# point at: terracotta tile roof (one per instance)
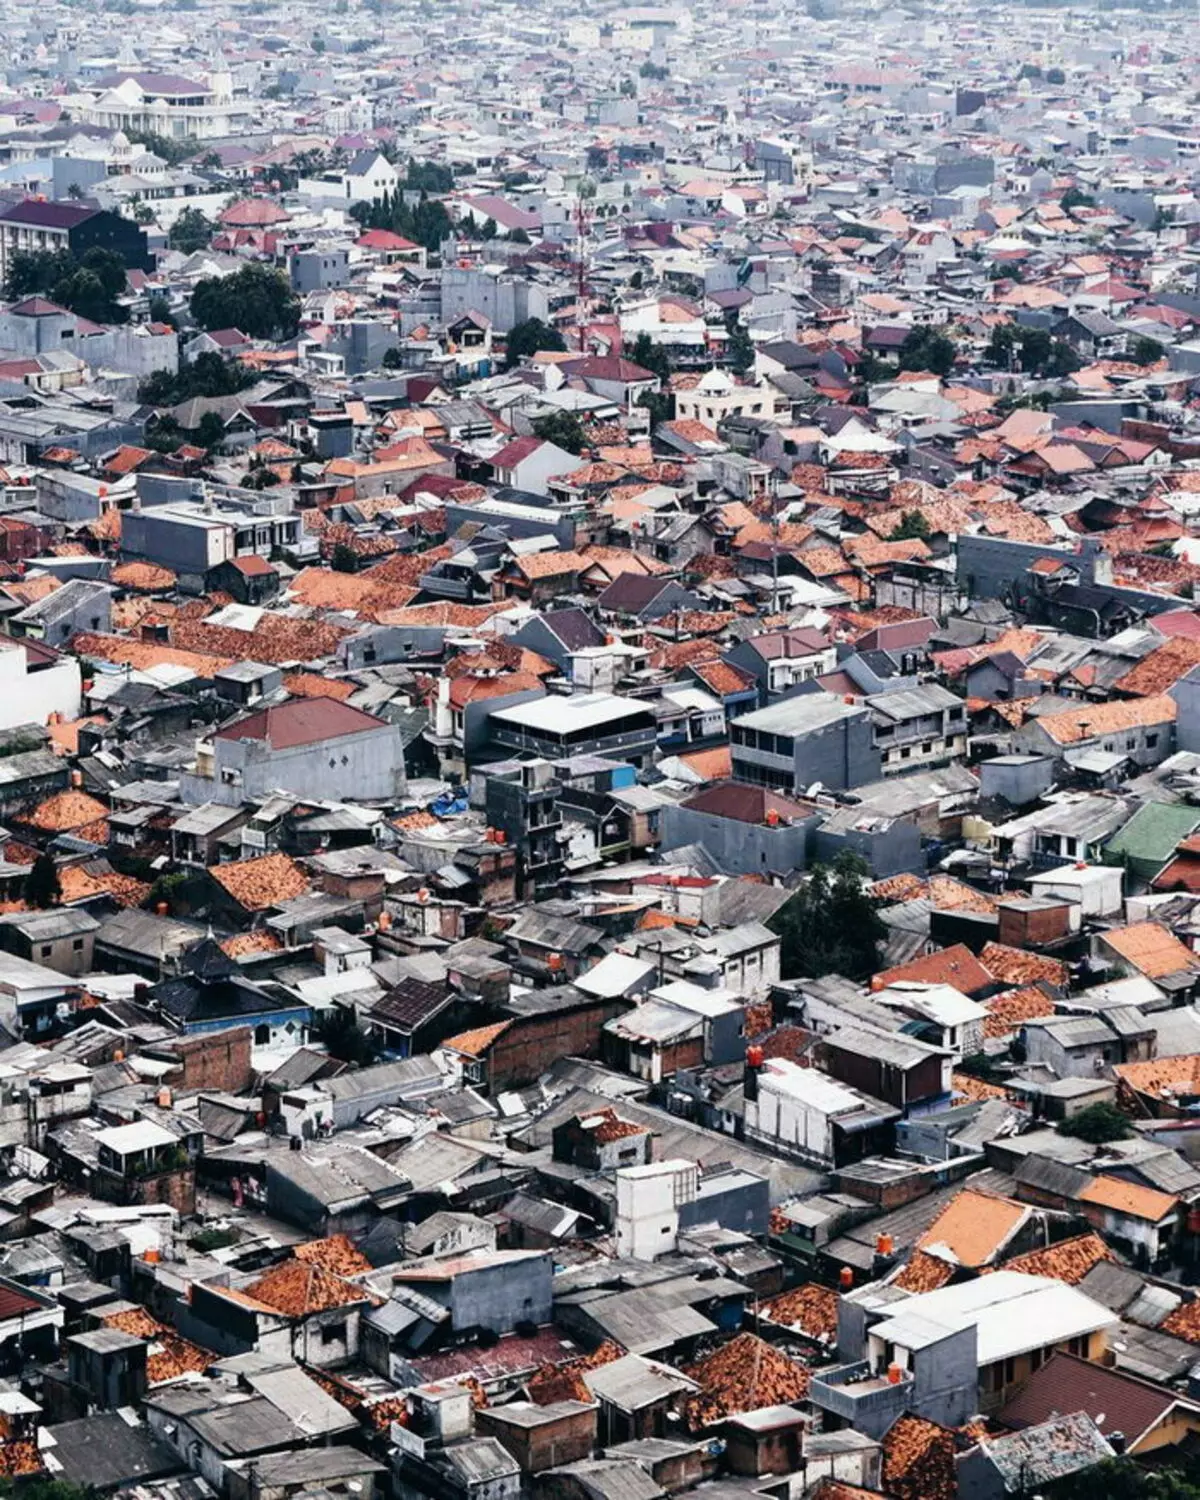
(20, 1458)
(1183, 1323)
(969, 1087)
(1162, 668)
(275, 639)
(1018, 967)
(973, 1228)
(171, 1357)
(66, 811)
(256, 884)
(125, 651)
(335, 1254)
(956, 966)
(243, 944)
(475, 1043)
(360, 593)
(310, 685)
(1006, 1012)
(565, 1382)
(1129, 1198)
(79, 885)
(944, 893)
(918, 1460)
(143, 575)
(924, 1273)
(1165, 1078)
(1151, 949)
(297, 1289)
(1094, 720)
(1069, 1260)
(743, 1375)
(811, 1308)
(551, 564)
(713, 765)
(135, 1321)
(895, 888)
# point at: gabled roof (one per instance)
(301, 721)
(1115, 1402)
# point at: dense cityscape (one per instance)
(599, 751)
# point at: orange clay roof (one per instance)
(1069, 1260)
(924, 1273)
(296, 1289)
(973, 1228)
(1094, 720)
(811, 1308)
(1017, 966)
(475, 1043)
(1151, 949)
(256, 884)
(243, 944)
(65, 811)
(335, 1254)
(1129, 1198)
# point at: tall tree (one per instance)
(831, 925)
(255, 299)
(42, 885)
(528, 338)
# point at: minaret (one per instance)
(220, 79)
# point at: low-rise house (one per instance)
(957, 1351)
(807, 1115)
(1145, 1417)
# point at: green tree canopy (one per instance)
(426, 222)
(1146, 351)
(345, 1039)
(527, 338)
(172, 152)
(88, 286)
(206, 375)
(927, 349)
(1097, 1124)
(651, 356)
(563, 429)
(913, 527)
(831, 925)
(739, 350)
(191, 231)
(255, 299)
(42, 885)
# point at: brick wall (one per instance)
(215, 1060)
(532, 1044)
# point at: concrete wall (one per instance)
(367, 765)
(739, 848)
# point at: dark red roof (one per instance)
(516, 452)
(254, 566)
(39, 307)
(606, 367)
(1115, 1402)
(301, 721)
(744, 803)
(13, 1303)
(47, 215)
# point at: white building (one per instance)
(648, 1203)
(803, 1113)
(36, 682)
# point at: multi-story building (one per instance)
(34, 226)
